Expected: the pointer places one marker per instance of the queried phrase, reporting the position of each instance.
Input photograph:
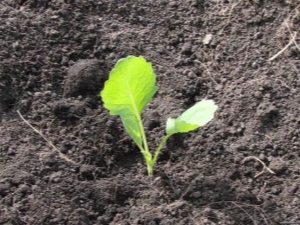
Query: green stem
(158, 150)
(145, 143)
(150, 169)
(150, 161)
(145, 149)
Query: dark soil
(55, 56)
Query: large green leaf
(196, 116)
(130, 87)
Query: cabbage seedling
(130, 87)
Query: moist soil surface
(241, 168)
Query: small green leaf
(196, 116)
(130, 87)
(177, 126)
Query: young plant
(130, 87)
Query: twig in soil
(265, 168)
(282, 50)
(292, 41)
(208, 73)
(20, 188)
(241, 205)
(49, 142)
(7, 208)
(260, 192)
(245, 211)
(186, 191)
(231, 10)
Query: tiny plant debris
(130, 87)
